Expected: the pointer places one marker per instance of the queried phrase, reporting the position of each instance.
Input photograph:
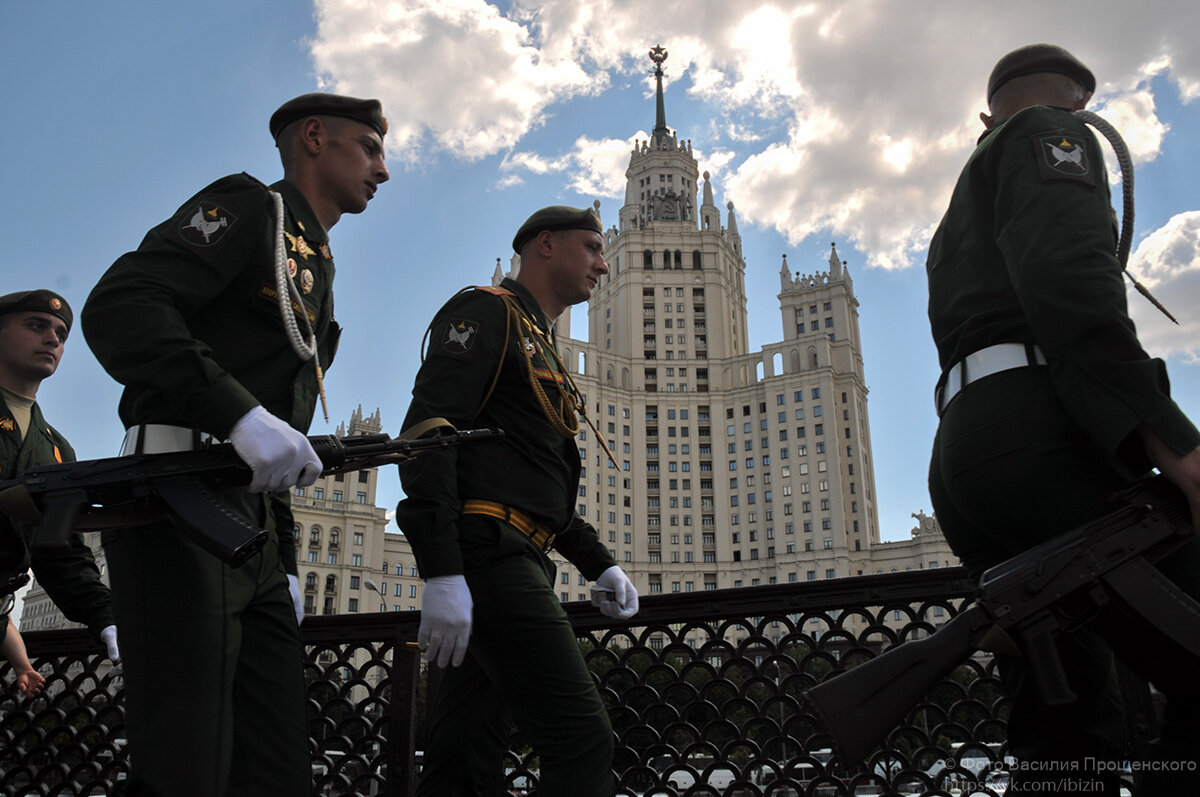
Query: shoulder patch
(1063, 156)
(205, 225)
(459, 336)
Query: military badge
(306, 281)
(55, 304)
(325, 252)
(1063, 156)
(460, 335)
(8, 425)
(291, 267)
(299, 245)
(206, 225)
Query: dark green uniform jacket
(534, 469)
(189, 322)
(1040, 177)
(72, 581)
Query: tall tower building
(734, 468)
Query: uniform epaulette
(495, 290)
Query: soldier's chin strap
(1126, 165)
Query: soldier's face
(354, 166)
(31, 345)
(579, 264)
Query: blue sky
(824, 122)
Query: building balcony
(721, 702)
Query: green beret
(1035, 58)
(369, 112)
(39, 301)
(556, 217)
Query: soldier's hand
(624, 602)
(294, 592)
(108, 635)
(1183, 470)
(30, 682)
(445, 620)
(278, 455)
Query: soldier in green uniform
(481, 520)
(33, 333)
(218, 325)
(1048, 404)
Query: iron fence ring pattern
(704, 692)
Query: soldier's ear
(545, 242)
(312, 134)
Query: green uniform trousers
(523, 665)
(214, 685)
(1010, 470)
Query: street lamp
(371, 585)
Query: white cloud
(1134, 116)
(453, 74)
(1168, 262)
(846, 116)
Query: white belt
(985, 362)
(161, 438)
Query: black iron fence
(703, 690)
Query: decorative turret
(835, 264)
(371, 424)
(802, 282)
(734, 236)
(710, 216)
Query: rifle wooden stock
(860, 706)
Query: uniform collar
(312, 230)
(1027, 109)
(528, 303)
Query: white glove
(278, 455)
(294, 591)
(624, 601)
(108, 635)
(445, 620)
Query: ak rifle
(1029, 598)
(133, 490)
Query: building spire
(658, 55)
